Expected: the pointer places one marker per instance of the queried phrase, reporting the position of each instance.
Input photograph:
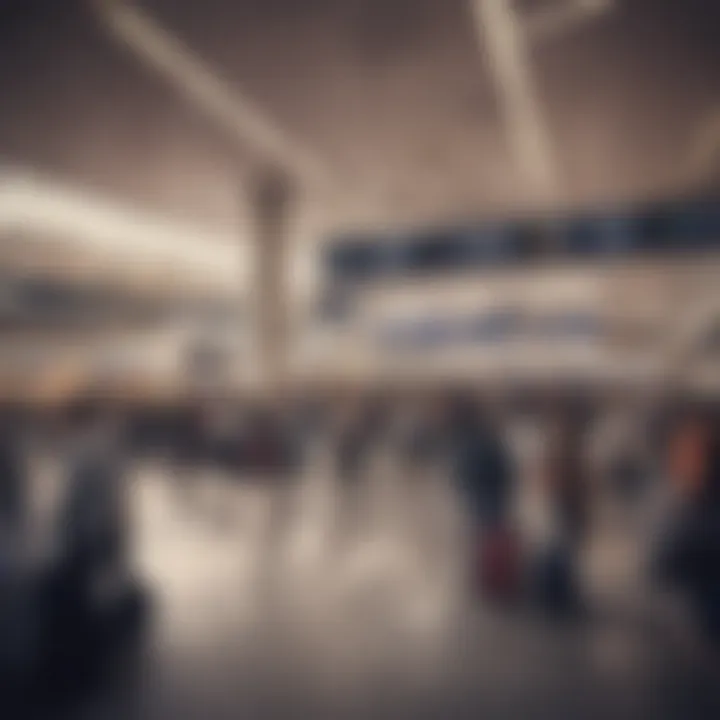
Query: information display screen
(661, 229)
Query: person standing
(483, 471)
(567, 486)
(16, 620)
(13, 476)
(688, 557)
(95, 516)
(90, 577)
(483, 466)
(356, 432)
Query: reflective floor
(309, 602)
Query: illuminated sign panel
(500, 326)
(596, 294)
(673, 229)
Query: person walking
(483, 471)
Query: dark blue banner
(670, 230)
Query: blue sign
(495, 328)
(662, 229)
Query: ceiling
(395, 94)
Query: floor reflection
(260, 619)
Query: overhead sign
(623, 320)
(503, 325)
(672, 230)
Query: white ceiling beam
(203, 87)
(507, 36)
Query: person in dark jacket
(566, 481)
(483, 471)
(12, 470)
(356, 434)
(566, 477)
(689, 555)
(93, 540)
(482, 466)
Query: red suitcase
(499, 565)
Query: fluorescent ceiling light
(72, 219)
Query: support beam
(503, 37)
(508, 36)
(232, 112)
(281, 165)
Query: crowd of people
(471, 440)
(669, 452)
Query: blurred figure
(621, 454)
(233, 445)
(94, 519)
(567, 478)
(483, 466)
(89, 586)
(268, 449)
(190, 449)
(689, 555)
(483, 470)
(308, 426)
(419, 445)
(567, 486)
(418, 440)
(270, 462)
(13, 480)
(303, 426)
(358, 427)
(222, 436)
(14, 647)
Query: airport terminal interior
(359, 359)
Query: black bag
(555, 580)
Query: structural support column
(271, 199)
